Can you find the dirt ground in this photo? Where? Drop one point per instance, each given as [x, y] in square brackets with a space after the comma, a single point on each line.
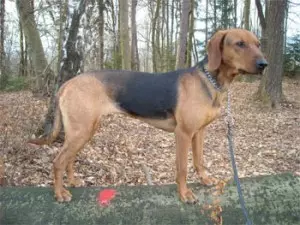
[267, 142]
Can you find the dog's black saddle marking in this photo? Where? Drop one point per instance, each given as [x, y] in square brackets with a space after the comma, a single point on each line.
[149, 95]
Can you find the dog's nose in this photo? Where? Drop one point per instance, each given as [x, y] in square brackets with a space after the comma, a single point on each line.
[261, 64]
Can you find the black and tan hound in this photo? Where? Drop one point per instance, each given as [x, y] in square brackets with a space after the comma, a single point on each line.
[182, 101]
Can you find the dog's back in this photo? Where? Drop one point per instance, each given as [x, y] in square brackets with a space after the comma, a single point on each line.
[143, 94]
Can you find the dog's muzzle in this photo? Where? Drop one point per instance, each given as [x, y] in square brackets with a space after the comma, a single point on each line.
[261, 64]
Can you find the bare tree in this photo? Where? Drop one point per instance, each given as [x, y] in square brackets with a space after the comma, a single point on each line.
[124, 34]
[23, 53]
[262, 19]
[155, 45]
[63, 9]
[41, 68]
[184, 25]
[101, 8]
[3, 75]
[270, 89]
[247, 4]
[135, 62]
[189, 50]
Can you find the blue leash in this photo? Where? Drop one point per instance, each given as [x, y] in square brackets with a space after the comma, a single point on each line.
[235, 171]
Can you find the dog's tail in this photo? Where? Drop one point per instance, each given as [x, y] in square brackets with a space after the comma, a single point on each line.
[48, 138]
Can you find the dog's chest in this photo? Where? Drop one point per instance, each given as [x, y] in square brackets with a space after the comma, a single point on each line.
[211, 111]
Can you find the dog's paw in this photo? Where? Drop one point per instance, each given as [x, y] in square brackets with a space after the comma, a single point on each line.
[63, 196]
[208, 181]
[76, 182]
[188, 196]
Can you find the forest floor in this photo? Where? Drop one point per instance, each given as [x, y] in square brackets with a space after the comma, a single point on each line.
[267, 142]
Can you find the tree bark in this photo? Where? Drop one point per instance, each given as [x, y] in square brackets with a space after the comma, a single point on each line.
[153, 39]
[167, 55]
[224, 16]
[101, 8]
[235, 12]
[3, 75]
[135, 62]
[215, 15]
[124, 35]
[270, 89]
[62, 22]
[191, 35]
[247, 4]
[206, 22]
[184, 25]
[117, 64]
[263, 24]
[40, 64]
[270, 200]
[22, 68]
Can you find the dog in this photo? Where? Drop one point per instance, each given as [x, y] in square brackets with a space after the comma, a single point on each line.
[184, 102]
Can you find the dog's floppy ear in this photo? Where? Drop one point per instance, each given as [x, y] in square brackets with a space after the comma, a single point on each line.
[214, 50]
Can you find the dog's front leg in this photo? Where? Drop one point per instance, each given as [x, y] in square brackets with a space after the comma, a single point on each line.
[198, 158]
[183, 142]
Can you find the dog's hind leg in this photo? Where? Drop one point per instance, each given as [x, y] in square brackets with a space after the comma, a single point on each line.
[82, 101]
[77, 135]
[67, 155]
[72, 180]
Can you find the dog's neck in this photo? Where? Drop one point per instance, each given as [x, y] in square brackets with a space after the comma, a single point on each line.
[224, 76]
[220, 78]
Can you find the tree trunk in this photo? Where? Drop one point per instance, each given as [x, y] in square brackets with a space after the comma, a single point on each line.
[158, 31]
[117, 64]
[215, 16]
[206, 22]
[40, 64]
[167, 54]
[184, 25]
[62, 21]
[235, 12]
[70, 63]
[191, 35]
[224, 16]
[285, 28]
[154, 31]
[101, 8]
[247, 4]
[271, 200]
[135, 62]
[3, 74]
[162, 36]
[172, 24]
[263, 24]
[124, 35]
[22, 68]
[270, 89]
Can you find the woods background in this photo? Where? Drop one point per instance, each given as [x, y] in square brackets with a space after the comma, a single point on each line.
[43, 43]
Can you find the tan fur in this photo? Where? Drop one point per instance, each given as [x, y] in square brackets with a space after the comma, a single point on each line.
[83, 100]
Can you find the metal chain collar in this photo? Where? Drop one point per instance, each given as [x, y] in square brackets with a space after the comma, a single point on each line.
[212, 79]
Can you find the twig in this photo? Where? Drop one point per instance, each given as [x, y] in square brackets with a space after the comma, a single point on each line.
[147, 173]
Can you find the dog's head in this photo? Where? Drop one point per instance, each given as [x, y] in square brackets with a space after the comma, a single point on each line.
[238, 49]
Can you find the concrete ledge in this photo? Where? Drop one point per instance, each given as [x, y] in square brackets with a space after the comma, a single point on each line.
[270, 200]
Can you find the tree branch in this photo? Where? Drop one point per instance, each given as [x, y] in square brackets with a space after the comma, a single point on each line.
[261, 16]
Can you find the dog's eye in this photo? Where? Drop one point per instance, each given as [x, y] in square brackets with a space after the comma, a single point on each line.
[241, 44]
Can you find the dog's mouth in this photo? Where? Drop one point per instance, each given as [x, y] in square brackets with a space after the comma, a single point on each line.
[242, 71]
[258, 71]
